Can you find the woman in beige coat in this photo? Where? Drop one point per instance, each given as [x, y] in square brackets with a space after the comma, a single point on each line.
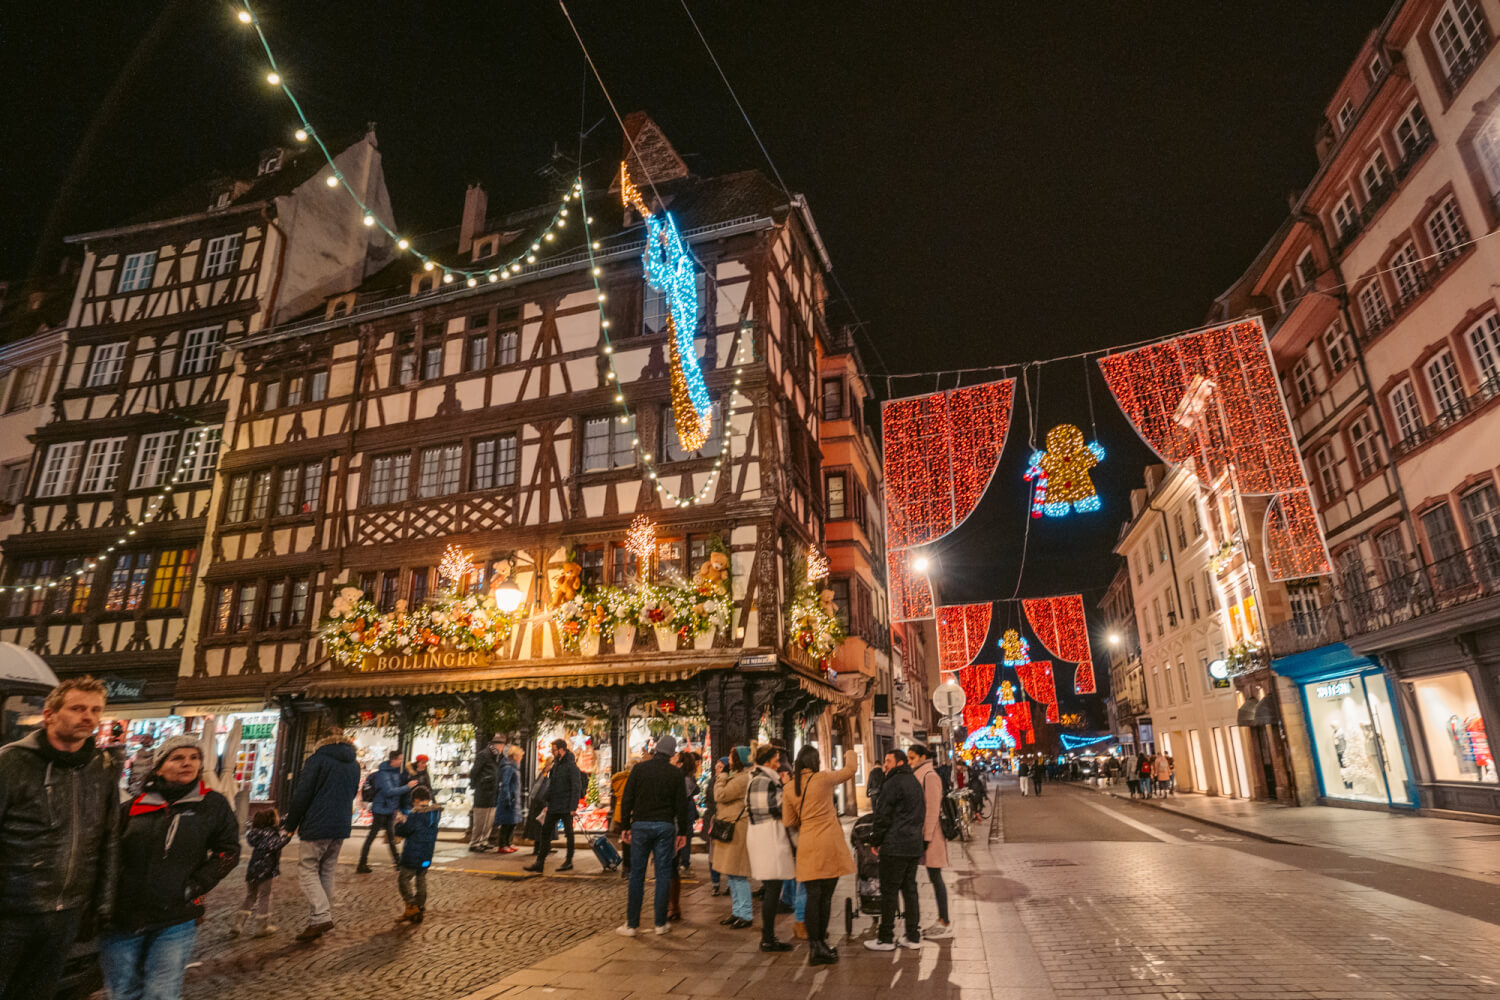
[732, 858]
[823, 856]
[936, 857]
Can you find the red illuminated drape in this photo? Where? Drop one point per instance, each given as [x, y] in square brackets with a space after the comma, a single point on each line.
[1036, 678]
[1214, 396]
[1060, 624]
[940, 454]
[976, 682]
[976, 717]
[961, 630]
[1018, 721]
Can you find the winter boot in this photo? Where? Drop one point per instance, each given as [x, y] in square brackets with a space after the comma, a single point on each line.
[421, 912]
[411, 913]
[799, 930]
[266, 928]
[237, 925]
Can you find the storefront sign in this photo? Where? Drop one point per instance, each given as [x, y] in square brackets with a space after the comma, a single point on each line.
[1334, 689]
[1144, 728]
[759, 660]
[1219, 669]
[919, 735]
[119, 689]
[220, 710]
[445, 660]
[258, 731]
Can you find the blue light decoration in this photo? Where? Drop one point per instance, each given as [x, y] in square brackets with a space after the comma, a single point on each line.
[1077, 742]
[1061, 473]
[669, 269]
[990, 738]
[1016, 650]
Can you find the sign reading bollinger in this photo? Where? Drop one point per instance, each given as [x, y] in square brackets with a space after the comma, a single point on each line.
[442, 660]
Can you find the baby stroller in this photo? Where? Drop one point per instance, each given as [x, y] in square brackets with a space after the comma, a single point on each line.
[866, 873]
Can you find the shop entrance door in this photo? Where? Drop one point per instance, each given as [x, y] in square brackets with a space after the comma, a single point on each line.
[1267, 762]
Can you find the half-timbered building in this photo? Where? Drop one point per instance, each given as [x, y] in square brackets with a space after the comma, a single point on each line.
[487, 415]
[117, 503]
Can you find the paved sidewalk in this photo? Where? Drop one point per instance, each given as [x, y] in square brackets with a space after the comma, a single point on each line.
[1446, 845]
[703, 960]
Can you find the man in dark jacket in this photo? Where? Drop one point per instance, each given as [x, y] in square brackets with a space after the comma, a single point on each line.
[484, 779]
[59, 805]
[391, 782]
[899, 819]
[320, 814]
[656, 820]
[563, 793]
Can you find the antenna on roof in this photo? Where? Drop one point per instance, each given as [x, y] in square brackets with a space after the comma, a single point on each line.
[562, 168]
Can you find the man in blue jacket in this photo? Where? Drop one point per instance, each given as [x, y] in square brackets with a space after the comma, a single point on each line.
[320, 814]
[391, 783]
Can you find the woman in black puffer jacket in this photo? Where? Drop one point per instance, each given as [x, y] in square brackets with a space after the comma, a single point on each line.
[177, 840]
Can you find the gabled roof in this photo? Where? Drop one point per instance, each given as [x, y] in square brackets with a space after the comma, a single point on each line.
[30, 305]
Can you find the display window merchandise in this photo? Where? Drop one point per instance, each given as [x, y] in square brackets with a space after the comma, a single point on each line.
[374, 739]
[449, 749]
[134, 735]
[1456, 740]
[255, 763]
[590, 746]
[1356, 740]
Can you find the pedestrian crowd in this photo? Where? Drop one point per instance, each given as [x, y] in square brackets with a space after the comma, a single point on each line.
[79, 863]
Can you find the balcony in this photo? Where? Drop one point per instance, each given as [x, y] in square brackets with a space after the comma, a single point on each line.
[1453, 581]
[1306, 631]
[1423, 276]
[1466, 63]
[1382, 194]
[1457, 410]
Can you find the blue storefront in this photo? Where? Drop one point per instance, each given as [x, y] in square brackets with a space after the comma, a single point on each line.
[1359, 746]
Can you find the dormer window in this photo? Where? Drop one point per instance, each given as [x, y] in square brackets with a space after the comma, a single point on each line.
[486, 246]
[222, 201]
[269, 163]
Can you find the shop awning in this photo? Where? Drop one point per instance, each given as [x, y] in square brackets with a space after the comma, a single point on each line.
[536, 675]
[1321, 663]
[21, 670]
[1257, 712]
[822, 689]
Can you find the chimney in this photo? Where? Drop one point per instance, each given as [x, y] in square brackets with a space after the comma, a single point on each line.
[476, 204]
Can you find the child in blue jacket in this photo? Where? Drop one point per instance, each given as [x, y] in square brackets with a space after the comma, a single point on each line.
[420, 830]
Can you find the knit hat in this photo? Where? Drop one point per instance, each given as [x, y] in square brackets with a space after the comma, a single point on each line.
[743, 753]
[165, 748]
[666, 745]
[422, 758]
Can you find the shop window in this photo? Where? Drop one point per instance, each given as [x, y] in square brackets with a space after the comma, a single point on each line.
[494, 463]
[1457, 745]
[172, 581]
[1352, 726]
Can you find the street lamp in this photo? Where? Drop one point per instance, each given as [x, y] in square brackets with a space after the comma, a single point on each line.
[1114, 638]
[508, 597]
[920, 564]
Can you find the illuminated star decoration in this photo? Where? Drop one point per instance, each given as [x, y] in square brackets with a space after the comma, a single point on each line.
[1016, 649]
[670, 271]
[817, 566]
[455, 565]
[1061, 472]
[641, 540]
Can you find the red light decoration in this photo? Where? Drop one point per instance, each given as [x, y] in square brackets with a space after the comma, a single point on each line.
[1036, 679]
[1060, 625]
[976, 682]
[1213, 397]
[976, 717]
[1293, 541]
[961, 630]
[941, 451]
[1018, 721]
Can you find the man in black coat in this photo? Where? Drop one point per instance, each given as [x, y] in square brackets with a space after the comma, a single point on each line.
[484, 779]
[899, 819]
[59, 806]
[656, 817]
[563, 793]
[321, 814]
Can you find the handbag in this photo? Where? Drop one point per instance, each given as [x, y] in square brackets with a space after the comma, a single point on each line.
[723, 831]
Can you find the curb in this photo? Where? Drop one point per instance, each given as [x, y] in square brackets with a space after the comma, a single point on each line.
[1215, 823]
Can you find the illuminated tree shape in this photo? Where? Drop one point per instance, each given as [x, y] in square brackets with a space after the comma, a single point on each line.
[961, 629]
[1061, 473]
[1213, 397]
[1060, 624]
[941, 452]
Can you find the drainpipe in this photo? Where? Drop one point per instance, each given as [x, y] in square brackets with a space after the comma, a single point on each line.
[1171, 559]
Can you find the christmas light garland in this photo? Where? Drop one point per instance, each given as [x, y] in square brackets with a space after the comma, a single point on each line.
[1015, 650]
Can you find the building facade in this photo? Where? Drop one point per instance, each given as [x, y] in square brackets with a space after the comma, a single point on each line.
[115, 512]
[1128, 709]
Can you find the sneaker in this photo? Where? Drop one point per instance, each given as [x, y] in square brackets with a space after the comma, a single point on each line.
[909, 944]
[363, 869]
[625, 930]
[875, 944]
[237, 925]
[663, 928]
[938, 932]
[566, 866]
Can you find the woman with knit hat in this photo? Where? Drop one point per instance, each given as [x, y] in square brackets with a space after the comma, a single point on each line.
[178, 839]
[731, 858]
[823, 856]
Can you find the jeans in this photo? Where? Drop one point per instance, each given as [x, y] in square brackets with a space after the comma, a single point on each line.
[33, 948]
[940, 890]
[549, 828]
[317, 862]
[413, 885]
[739, 897]
[481, 819]
[650, 839]
[899, 876]
[380, 822]
[258, 897]
[149, 965]
[819, 907]
[794, 895]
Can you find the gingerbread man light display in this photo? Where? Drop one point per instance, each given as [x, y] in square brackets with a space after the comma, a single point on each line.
[1061, 472]
[1016, 650]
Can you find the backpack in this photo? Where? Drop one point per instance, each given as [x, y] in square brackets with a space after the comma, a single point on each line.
[948, 819]
[369, 789]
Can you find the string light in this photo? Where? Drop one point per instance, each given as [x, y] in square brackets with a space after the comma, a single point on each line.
[1213, 396]
[1018, 721]
[246, 15]
[1060, 625]
[961, 629]
[976, 683]
[1007, 693]
[977, 717]
[669, 269]
[455, 565]
[941, 451]
[640, 539]
[1294, 541]
[184, 462]
[1075, 742]
[817, 566]
[1067, 460]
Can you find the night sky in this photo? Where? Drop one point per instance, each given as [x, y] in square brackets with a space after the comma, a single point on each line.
[994, 181]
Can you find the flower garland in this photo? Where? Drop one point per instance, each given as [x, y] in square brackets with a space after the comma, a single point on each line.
[814, 624]
[356, 627]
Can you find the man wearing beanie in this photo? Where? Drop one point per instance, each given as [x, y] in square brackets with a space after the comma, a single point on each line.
[654, 814]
